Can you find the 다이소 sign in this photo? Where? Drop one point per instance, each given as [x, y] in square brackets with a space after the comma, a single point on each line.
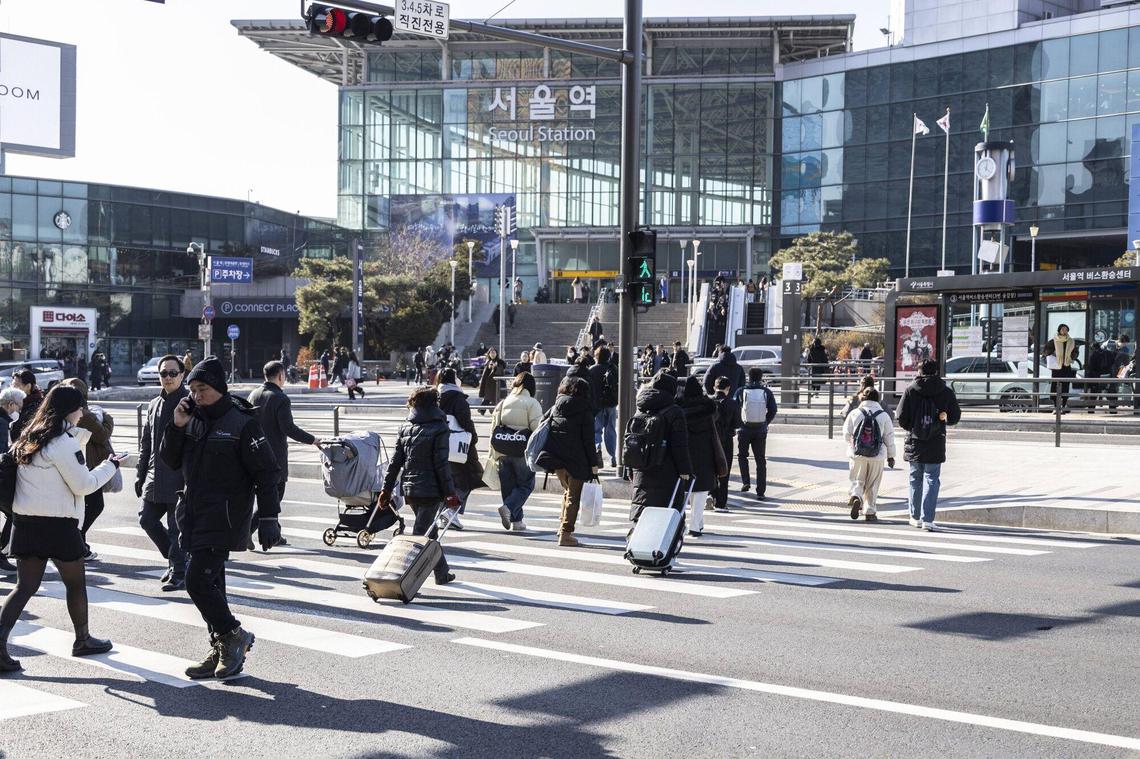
[425, 17]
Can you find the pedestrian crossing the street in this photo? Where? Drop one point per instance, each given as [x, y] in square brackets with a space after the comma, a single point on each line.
[306, 597]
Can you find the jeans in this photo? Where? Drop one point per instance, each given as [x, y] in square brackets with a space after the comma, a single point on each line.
[605, 423]
[924, 484]
[206, 586]
[426, 511]
[164, 537]
[755, 438]
[516, 483]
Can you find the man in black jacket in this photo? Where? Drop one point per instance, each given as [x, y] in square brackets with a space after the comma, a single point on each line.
[275, 413]
[757, 410]
[655, 485]
[725, 366]
[603, 378]
[927, 407]
[681, 361]
[156, 483]
[217, 443]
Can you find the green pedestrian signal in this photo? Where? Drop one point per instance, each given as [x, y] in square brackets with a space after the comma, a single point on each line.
[641, 267]
[644, 271]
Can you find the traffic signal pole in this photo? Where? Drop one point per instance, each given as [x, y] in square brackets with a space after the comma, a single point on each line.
[630, 205]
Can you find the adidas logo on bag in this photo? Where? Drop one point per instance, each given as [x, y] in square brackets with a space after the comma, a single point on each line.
[514, 437]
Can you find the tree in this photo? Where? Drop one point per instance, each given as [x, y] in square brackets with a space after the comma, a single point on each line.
[326, 297]
[869, 272]
[412, 326]
[406, 251]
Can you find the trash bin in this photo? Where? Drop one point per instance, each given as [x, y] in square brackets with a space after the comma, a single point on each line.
[547, 377]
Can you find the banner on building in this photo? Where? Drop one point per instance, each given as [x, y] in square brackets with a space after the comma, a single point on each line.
[917, 337]
[452, 219]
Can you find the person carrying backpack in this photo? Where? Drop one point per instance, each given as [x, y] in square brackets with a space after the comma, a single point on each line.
[603, 378]
[927, 407]
[757, 410]
[727, 423]
[513, 421]
[704, 453]
[870, 437]
[656, 447]
[569, 451]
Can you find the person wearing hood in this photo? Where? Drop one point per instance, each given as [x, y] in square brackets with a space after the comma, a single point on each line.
[757, 410]
[817, 362]
[569, 451]
[100, 424]
[927, 408]
[865, 459]
[419, 462]
[704, 450]
[51, 479]
[24, 380]
[11, 400]
[468, 475]
[654, 486]
[727, 423]
[215, 440]
[725, 366]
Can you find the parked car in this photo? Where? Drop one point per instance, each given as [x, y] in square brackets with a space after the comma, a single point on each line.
[989, 379]
[48, 371]
[148, 372]
[767, 357]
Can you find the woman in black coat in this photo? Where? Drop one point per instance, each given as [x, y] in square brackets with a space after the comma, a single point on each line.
[569, 451]
[654, 486]
[468, 475]
[489, 386]
[700, 421]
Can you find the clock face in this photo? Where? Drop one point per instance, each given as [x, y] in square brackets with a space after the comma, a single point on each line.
[62, 220]
[986, 168]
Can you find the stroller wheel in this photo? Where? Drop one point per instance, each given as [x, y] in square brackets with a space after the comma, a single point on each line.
[637, 570]
[363, 538]
[329, 537]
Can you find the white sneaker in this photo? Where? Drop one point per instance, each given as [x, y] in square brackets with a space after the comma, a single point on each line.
[914, 522]
[453, 517]
[519, 526]
[929, 527]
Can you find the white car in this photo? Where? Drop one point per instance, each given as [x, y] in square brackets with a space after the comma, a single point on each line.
[767, 357]
[148, 373]
[1006, 382]
[48, 372]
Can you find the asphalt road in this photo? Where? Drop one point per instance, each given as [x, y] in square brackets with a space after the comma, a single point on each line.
[787, 634]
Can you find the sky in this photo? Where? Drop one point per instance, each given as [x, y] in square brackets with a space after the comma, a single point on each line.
[170, 97]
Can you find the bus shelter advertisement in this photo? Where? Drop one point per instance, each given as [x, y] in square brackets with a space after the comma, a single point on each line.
[917, 337]
[453, 219]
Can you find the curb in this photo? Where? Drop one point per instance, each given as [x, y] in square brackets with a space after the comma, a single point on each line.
[1103, 521]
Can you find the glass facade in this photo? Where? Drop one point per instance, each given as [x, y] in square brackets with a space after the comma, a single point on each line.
[122, 250]
[1068, 105]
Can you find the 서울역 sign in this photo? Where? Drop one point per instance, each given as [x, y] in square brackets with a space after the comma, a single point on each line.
[426, 17]
[540, 105]
[231, 269]
[1097, 275]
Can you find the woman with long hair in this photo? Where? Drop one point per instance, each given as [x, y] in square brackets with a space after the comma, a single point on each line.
[488, 385]
[51, 480]
[570, 451]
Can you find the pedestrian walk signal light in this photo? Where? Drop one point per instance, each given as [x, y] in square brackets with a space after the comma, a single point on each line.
[641, 267]
[327, 21]
[505, 223]
[641, 294]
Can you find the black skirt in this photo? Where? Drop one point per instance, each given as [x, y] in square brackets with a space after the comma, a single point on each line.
[56, 538]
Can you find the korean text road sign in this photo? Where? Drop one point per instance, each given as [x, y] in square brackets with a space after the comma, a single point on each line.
[425, 17]
[232, 270]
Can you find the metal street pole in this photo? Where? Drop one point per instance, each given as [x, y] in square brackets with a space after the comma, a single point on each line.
[502, 282]
[1033, 230]
[203, 283]
[514, 257]
[470, 277]
[683, 243]
[358, 297]
[630, 203]
[454, 266]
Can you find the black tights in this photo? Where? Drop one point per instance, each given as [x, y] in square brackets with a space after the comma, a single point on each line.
[29, 574]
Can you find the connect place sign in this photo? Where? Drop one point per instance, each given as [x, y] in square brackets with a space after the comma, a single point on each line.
[37, 97]
[258, 308]
[424, 17]
[233, 270]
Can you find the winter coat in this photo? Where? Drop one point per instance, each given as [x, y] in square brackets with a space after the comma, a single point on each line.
[519, 411]
[488, 385]
[453, 401]
[100, 424]
[421, 455]
[582, 372]
[770, 405]
[854, 420]
[700, 421]
[681, 363]
[161, 483]
[725, 366]
[598, 375]
[853, 403]
[520, 367]
[353, 371]
[570, 445]
[31, 404]
[727, 418]
[5, 424]
[54, 482]
[596, 329]
[817, 357]
[275, 413]
[654, 486]
[932, 451]
[226, 460]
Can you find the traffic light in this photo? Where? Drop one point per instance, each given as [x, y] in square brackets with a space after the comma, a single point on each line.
[641, 267]
[505, 223]
[327, 21]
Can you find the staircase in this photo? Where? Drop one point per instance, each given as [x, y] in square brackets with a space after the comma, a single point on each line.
[555, 325]
[663, 324]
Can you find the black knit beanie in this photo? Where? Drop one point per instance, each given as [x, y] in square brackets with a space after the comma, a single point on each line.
[210, 371]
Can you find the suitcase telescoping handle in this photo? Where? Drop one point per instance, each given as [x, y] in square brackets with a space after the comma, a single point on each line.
[447, 526]
[673, 498]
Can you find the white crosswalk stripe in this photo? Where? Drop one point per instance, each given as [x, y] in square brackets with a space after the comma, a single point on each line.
[944, 533]
[21, 701]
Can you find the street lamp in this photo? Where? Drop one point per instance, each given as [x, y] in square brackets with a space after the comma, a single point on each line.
[470, 279]
[199, 250]
[691, 263]
[683, 244]
[514, 254]
[1033, 230]
[693, 279]
[454, 266]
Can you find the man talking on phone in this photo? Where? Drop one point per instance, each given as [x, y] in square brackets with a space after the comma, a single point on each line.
[217, 443]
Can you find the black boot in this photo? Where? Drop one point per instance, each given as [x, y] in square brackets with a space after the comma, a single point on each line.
[7, 663]
[208, 666]
[232, 648]
[87, 645]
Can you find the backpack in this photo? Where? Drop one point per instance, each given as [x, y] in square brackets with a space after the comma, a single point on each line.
[754, 405]
[644, 444]
[7, 483]
[868, 436]
[925, 424]
[537, 443]
[609, 396]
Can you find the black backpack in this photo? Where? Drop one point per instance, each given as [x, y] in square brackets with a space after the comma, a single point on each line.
[609, 395]
[925, 424]
[644, 444]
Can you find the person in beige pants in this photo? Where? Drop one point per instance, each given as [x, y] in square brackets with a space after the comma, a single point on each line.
[866, 468]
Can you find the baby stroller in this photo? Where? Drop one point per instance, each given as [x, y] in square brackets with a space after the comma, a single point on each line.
[353, 467]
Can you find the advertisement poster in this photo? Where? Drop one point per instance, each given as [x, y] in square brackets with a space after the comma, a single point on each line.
[452, 219]
[917, 338]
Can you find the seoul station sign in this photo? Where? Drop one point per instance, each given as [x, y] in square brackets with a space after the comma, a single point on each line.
[536, 108]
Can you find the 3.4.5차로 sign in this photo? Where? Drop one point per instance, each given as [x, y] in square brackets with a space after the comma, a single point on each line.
[426, 17]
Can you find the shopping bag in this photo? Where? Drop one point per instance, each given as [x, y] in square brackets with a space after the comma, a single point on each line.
[491, 471]
[590, 511]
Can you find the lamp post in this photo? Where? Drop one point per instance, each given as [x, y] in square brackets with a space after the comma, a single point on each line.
[199, 250]
[693, 279]
[470, 277]
[1136, 250]
[1033, 230]
[514, 278]
[683, 244]
[454, 266]
[692, 262]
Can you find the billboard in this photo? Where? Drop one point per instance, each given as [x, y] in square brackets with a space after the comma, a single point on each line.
[917, 338]
[451, 219]
[37, 97]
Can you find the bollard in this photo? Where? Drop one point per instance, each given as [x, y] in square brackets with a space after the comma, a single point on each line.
[1057, 416]
[830, 410]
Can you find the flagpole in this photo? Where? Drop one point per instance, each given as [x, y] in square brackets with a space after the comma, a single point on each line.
[910, 196]
[945, 189]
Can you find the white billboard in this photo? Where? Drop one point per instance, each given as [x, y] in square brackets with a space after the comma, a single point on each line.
[37, 97]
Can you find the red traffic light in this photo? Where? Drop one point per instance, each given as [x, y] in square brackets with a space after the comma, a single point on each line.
[327, 21]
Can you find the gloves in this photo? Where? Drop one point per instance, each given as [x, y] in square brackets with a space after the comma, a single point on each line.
[385, 498]
[268, 533]
[452, 501]
[891, 463]
[138, 488]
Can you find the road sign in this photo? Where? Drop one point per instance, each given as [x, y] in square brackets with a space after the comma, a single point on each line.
[231, 270]
[207, 312]
[425, 17]
[233, 332]
[205, 331]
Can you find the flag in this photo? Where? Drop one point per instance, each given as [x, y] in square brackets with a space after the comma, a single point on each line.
[944, 122]
[985, 125]
[919, 127]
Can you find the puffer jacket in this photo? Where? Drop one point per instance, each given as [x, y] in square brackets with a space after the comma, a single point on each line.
[519, 411]
[31, 404]
[932, 451]
[421, 455]
[725, 366]
[700, 420]
[453, 401]
[653, 487]
[54, 482]
[570, 445]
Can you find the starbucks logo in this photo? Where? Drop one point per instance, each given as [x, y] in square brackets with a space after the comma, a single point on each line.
[62, 220]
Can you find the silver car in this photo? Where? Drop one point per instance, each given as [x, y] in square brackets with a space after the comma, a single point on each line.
[148, 372]
[767, 357]
[48, 372]
[982, 379]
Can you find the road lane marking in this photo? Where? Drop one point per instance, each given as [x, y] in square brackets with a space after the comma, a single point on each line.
[21, 701]
[849, 534]
[894, 707]
[725, 538]
[943, 533]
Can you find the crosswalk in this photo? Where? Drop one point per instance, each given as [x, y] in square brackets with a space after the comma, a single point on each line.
[307, 597]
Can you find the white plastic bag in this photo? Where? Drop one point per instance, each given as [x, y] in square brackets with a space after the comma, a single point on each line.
[590, 512]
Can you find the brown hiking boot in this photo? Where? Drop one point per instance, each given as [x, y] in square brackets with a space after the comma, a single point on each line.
[567, 539]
